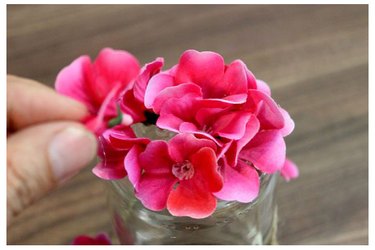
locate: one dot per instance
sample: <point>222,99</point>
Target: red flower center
<point>183,170</point>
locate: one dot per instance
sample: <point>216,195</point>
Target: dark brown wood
<point>315,57</point>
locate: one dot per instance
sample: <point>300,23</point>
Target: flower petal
<point>263,87</point>
<point>288,123</point>
<point>71,81</point>
<point>266,151</point>
<point>185,90</point>
<point>190,128</point>
<point>241,183</point>
<point>116,66</point>
<point>132,106</point>
<point>203,68</point>
<point>252,128</point>
<point>289,170</point>
<point>156,84</point>
<point>169,122</point>
<point>112,164</point>
<point>231,125</point>
<point>251,80</point>
<point>123,138</point>
<point>110,170</point>
<point>132,165</point>
<point>155,159</point>
<point>182,146</point>
<point>191,200</point>
<point>153,190</point>
<point>176,111</point>
<point>149,70</point>
<point>206,169</point>
<point>268,113</point>
<point>235,79</point>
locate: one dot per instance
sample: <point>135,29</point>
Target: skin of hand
<point>46,144</point>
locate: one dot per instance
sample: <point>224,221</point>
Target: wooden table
<point>315,57</point>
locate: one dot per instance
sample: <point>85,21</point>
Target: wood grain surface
<point>315,58</point>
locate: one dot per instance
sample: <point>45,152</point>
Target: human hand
<point>46,144</point>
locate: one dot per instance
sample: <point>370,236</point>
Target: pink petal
<point>263,87</point>
<point>112,164</point>
<point>190,128</point>
<point>123,138</point>
<point>290,170</point>
<point>235,79</point>
<point>149,70</point>
<point>156,84</point>
<point>153,190</point>
<point>186,89</point>
<point>241,183</point>
<point>182,146</point>
<point>206,169</point>
<point>207,116</point>
<point>252,128</point>
<point>175,111</point>
<point>288,123</point>
<point>231,125</point>
<point>235,99</point>
<point>266,151</point>
<point>71,81</point>
<point>203,68</point>
<point>132,106</point>
<point>110,170</point>
<point>116,66</point>
<point>132,165</point>
<point>190,200</point>
<point>169,122</point>
<point>268,112</point>
<point>155,159</point>
<point>251,80</point>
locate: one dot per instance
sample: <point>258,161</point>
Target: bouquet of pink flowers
<point>228,129</point>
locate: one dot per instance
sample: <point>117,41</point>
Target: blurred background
<point>314,57</point>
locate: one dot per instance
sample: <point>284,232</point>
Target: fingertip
<point>71,150</point>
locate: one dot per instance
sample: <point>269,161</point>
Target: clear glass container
<point>232,223</point>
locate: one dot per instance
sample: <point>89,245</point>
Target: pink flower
<point>99,84</point>
<point>99,239</point>
<point>181,175</point>
<point>114,145</point>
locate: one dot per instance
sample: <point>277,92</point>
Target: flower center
<point>183,170</point>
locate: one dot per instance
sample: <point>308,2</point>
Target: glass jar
<point>232,222</point>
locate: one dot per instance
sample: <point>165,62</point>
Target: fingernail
<point>70,150</point>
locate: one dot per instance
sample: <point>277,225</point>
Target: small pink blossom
<point>181,175</point>
<point>99,239</point>
<point>114,145</point>
<point>99,84</point>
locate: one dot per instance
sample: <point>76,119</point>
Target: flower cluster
<point>228,129</point>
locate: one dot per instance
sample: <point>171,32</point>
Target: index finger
<point>30,102</point>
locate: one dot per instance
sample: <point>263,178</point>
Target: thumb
<point>43,156</point>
